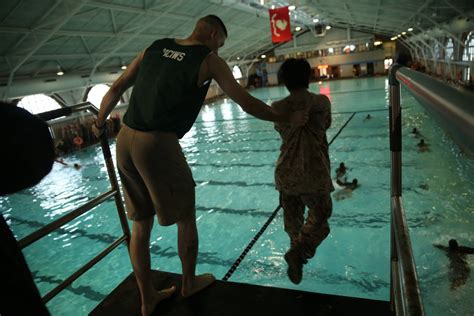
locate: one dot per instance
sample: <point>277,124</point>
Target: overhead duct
<point>24,87</point>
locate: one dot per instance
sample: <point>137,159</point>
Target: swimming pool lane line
<point>250,245</point>
<point>270,219</point>
<point>342,127</point>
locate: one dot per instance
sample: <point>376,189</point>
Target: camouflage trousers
<point>307,235</point>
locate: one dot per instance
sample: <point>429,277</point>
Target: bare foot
<point>157,297</point>
<point>200,282</point>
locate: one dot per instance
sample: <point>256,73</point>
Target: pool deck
<point>230,298</point>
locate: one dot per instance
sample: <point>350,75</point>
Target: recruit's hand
<point>98,131</point>
<point>299,118</point>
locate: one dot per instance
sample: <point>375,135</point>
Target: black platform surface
<point>230,298</point>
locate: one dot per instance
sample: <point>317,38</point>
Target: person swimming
<point>415,132</point>
<point>422,146</point>
<point>347,188</point>
<point>341,171</point>
<point>459,270</point>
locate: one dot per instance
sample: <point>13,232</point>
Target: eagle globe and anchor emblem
<point>278,25</point>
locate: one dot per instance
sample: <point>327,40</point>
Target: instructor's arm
<point>125,81</point>
<point>219,70</point>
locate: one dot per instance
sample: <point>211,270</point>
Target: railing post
<point>395,123</point>
<point>405,298</point>
<point>104,143</point>
<point>395,118</point>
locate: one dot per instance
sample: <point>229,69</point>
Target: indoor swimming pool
<point>233,156</point>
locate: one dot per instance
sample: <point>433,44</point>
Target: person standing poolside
<point>302,173</point>
<point>171,79</point>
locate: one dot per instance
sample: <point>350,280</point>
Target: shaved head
<point>211,22</point>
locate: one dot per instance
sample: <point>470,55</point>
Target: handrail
<point>45,230</point>
<point>405,297</point>
<point>406,264</point>
<point>83,269</point>
<point>113,192</point>
<point>450,106</point>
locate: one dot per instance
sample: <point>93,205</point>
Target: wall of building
<point>345,63</point>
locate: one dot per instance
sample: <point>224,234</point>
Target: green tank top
<point>165,96</point>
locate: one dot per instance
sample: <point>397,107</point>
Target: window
<point>348,48</point>
<point>449,49</point>
<point>96,94</point>
<point>236,72</point>
<point>437,54</point>
<point>38,103</point>
<point>468,53</point>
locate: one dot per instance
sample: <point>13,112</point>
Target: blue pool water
<point>232,156</point>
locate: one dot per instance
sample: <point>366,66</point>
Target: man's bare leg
<point>188,244</point>
<point>140,257</point>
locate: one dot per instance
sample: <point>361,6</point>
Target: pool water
<point>233,156</point>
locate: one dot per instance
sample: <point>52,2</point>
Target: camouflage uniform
<point>302,173</point>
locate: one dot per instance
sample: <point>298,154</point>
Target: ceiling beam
<point>378,13</point>
<point>17,5</point>
<point>72,11</point>
<point>73,56</point>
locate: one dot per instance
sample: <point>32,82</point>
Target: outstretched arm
<point>125,81</point>
<point>219,70</point>
<point>467,250</point>
<point>441,247</point>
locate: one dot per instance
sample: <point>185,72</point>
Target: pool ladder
<point>113,192</point>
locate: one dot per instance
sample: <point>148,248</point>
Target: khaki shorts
<point>155,176</point>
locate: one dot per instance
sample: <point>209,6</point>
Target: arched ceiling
<point>89,36</point>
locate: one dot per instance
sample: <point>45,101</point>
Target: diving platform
<point>231,298</point>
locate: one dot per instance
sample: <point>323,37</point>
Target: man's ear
<point>213,34</point>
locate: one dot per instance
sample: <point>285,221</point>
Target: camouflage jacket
<point>303,165</point>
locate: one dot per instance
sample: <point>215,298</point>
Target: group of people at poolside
<point>155,175</point>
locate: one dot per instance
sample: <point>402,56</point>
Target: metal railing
<point>113,192</point>
<point>405,295</point>
<point>452,108</point>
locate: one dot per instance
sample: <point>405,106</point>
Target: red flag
<point>280,25</point>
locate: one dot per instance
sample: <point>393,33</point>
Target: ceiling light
<point>273,6</point>
<point>238,58</point>
<point>403,33</point>
<point>315,20</point>
<point>123,67</point>
<point>298,28</point>
<point>377,43</point>
<point>410,29</point>
<point>263,56</point>
<point>393,38</point>
<point>328,27</point>
<point>60,72</point>
<point>292,7</point>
